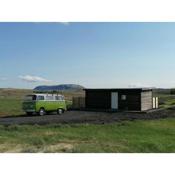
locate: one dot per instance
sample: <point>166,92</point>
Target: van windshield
<point>30,98</point>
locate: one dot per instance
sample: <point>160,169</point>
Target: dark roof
<point>118,89</point>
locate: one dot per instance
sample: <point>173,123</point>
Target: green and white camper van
<point>43,103</point>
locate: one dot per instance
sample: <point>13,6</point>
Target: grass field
<point>166,101</point>
<point>11,101</point>
<point>153,136</point>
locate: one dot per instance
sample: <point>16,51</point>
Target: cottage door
<point>114,100</point>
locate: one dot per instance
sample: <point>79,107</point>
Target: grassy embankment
<point>153,136</point>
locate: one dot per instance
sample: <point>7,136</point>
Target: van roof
<point>47,94</point>
<point>119,89</point>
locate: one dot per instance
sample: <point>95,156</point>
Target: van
<point>44,103</point>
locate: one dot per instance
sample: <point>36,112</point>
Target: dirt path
<point>85,117</point>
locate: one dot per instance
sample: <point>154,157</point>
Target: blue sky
<point>90,54</point>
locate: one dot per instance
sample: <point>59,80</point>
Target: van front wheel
<point>42,112</point>
<point>60,111</point>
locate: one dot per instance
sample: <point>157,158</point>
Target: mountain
<point>61,87</point>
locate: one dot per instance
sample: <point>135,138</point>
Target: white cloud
<point>30,78</point>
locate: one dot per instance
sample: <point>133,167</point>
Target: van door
<point>114,100</point>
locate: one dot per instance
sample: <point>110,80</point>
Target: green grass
<point>166,101</point>
<point>11,101</point>
<point>154,136</point>
<point>11,107</point>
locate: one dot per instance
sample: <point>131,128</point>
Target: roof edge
<point>142,89</point>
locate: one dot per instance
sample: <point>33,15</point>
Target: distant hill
<point>162,91</point>
<point>61,87</point>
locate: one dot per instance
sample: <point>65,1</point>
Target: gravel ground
<point>85,117</point>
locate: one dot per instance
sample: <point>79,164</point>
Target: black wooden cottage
<point>133,99</point>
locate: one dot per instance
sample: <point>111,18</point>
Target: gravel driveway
<point>85,117</point>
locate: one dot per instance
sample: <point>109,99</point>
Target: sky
<point>95,55</point>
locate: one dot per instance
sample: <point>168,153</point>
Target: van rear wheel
<point>60,111</point>
<point>42,112</point>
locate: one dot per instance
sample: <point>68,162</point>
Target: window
<point>123,97</point>
<point>30,97</point>
<point>59,98</point>
<point>40,97</point>
<point>49,98</point>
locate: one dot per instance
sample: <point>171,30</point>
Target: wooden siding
<point>98,99</point>
<point>132,102</point>
<point>146,100</point>
<point>78,102</point>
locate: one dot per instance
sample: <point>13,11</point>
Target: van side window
<point>56,98</point>
<point>59,98</point>
<point>49,98</point>
<point>40,97</point>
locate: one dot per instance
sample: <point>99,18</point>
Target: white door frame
<point>114,100</point>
